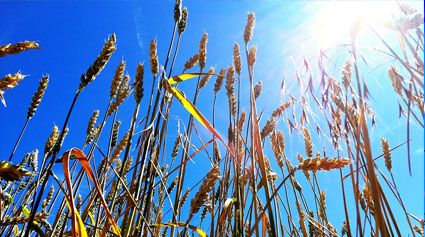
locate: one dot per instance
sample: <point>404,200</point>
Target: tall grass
<point>138,188</point>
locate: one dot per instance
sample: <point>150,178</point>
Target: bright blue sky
<point>71,34</point>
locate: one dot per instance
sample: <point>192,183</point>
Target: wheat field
<point>180,143</point>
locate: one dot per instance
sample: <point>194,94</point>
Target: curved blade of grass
<point>183,77</point>
<point>94,222</point>
<point>228,204</point>
<point>194,112</point>
<point>182,224</point>
<point>77,223</point>
<point>84,162</point>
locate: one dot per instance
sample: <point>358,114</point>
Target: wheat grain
<point>308,143</point>
<point>206,187</point>
<point>183,21</point>
<point>203,51</point>
<point>123,92</point>
<point>99,63</point>
<point>116,81</point>
<point>258,88</point>
<point>21,219</point>
<point>51,141</point>
<point>268,128</point>
<point>396,79</point>
<point>316,164</point>
<point>206,78</point>
<point>9,81</point>
<point>387,154</point>
<point>17,48</point>
<point>191,62</point>
<point>249,28</point>
<point>138,94</point>
<point>252,56</point>
<point>120,147</point>
<point>153,58</point>
<point>38,95</point>
<point>237,59</point>
<point>241,120</point>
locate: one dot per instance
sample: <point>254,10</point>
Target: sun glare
<point>334,19</point>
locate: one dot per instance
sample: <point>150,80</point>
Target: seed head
<point>183,21</point>
<point>249,28</point>
<point>119,73</point>
<point>138,94</point>
<point>203,51</point>
<point>252,56</point>
<point>237,59</point>
<point>38,95</point>
<point>206,78</point>
<point>99,63</point>
<point>219,81</point>
<point>153,58</point>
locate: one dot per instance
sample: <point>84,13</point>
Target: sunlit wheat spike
<point>24,160</point>
<point>111,191</point>
<point>51,141</point>
<point>115,133</point>
<point>367,194</point>
<point>79,203</point>
<point>396,79</point>
<point>203,51</point>
<point>33,161</point>
<point>99,63</point>
<point>22,219</point>
<point>237,59</point>
<point>119,73</point>
<point>123,92</point>
<point>38,95</point>
<point>418,230</point>
<point>138,94</point>
<point>9,81</point>
<point>12,172</point>
<point>92,122</point>
<point>172,185</point>
<point>184,198</point>
<point>177,10</point>
<point>181,26</point>
<point>387,154</point>
<point>308,143</point>
<point>252,56</point>
<point>217,153</point>
<point>345,228</point>
<point>322,204</point>
<point>176,146</point>
<point>230,87</point>
<point>17,48</point>
<point>301,218</point>
<point>206,78</point>
<point>346,74</point>
<point>279,110</point>
<point>60,143</point>
<point>268,128</point>
<point>127,165</point>
<point>191,62</point>
<point>242,120</point>
<point>258,88</point>
<point>301,160</point>
<point>48,199</point>
<point>276,138</point>
<point>249,28</point>
<point>120,147</point>
<point>153,58</point>
<point>206,187</point>
<point>316,164</point>
<point>219,82</point>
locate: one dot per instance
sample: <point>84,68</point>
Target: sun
<point>333,20</point>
